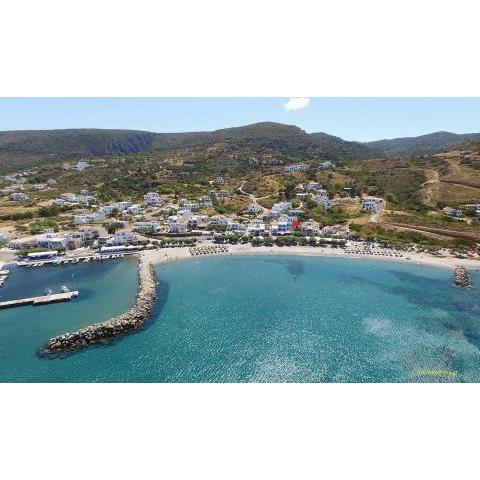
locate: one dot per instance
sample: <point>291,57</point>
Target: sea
<point>251,319</point>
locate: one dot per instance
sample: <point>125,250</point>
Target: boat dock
<point>3,276</point>
<point>71,260</point>
<point>42,300</point>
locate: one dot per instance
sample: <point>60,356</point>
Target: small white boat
<point>48,291</point>
<point>64,289</point>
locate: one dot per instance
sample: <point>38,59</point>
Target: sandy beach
<point>182,253</point>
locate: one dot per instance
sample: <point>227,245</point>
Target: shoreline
<point>157,257</point>
<point>139,312</point>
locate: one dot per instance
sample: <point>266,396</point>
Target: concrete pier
<point>43,300</point>
<point>132,319</point>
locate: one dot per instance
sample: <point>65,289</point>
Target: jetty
<point>130,320</point>
<point>42,300</point>
<point>461,277</point>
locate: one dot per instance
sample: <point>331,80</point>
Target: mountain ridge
<point>427,143</point>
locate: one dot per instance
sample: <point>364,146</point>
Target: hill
<point>429,143</point>
<point>28,148</point>
<point>25,149</point>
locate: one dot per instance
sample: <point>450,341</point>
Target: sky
<point>361,119</point>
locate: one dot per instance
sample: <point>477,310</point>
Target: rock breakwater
<point>461,277</point>
<point>130,320</point>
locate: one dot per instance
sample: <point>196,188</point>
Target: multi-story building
<point>89,218</point>
<point>310,227</point>
<point>256,227</point>
<point>295,168</point>
<point>323,201</point>
<point>146,225</point>
<point>121,237</point>
<point>281,207</point>
<point>206,201</point>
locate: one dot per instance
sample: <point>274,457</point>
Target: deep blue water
<point>252,319</point>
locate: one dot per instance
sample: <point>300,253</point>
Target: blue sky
<point>361,119</point>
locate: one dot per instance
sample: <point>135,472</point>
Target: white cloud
<point>296,103</point>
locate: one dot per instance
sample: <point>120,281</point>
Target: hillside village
<point>263,195</point>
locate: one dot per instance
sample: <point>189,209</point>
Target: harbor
<point>130,320</point>
<point>41,300</point>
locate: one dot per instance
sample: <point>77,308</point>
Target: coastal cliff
<point>130,320</point>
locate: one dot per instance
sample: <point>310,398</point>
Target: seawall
<point>130,320</point>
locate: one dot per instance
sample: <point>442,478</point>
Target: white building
<point>295,168</point>
<point>234,226</point>
<point>373,204</point>
<point>79,166</point>
<point>198,221</point>
<point>19,197</point>
<point>280,207</point>
<point>219,220</point>
<point>135,208</point>
<point>256,227</point>
<point>281,227</point>
<point>89,218</point>
<point>51,182</point>
<point>452,212</point>
<point>177,224</point>
<point>313,186</point>
<point>311,227</point>
<point>147,225</point>
<point>118,206</point>
<point>323,201</point>
<point>153,199</point>
<point>222,194</point>
<point>206,201</point>
<point>39,186</point>
<point>121,237</point>
<point>69,197</point>
<point>254,208</point>
<point>187,205</point>
<point>52,241</point>
<point>326,165</point>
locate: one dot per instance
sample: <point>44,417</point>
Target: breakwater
<point>130,320</point>
<point>461,277</point>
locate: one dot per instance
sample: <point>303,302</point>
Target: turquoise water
<point>252,319</point>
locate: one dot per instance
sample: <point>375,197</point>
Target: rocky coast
<point>130,320</point>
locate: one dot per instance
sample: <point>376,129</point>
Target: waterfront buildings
<point>121,237</point>
<point>256,227</point>
<point>311,227</point>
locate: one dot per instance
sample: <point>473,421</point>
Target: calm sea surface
<point>252,319</point>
